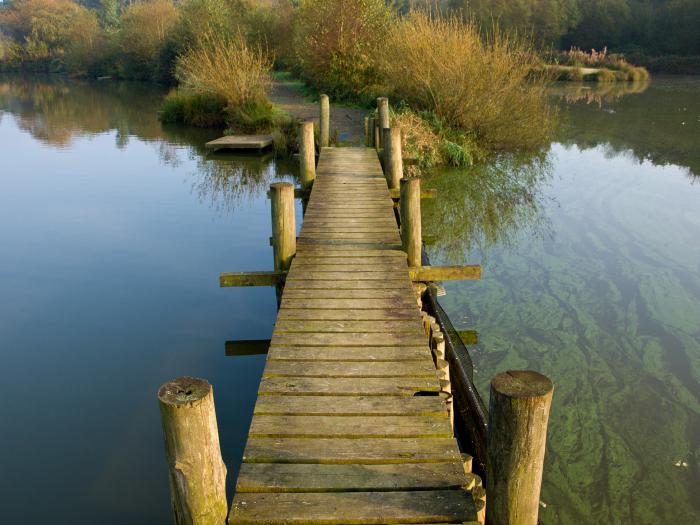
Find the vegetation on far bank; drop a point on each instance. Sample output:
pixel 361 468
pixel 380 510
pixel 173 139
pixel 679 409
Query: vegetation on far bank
pixel 598 66
pixel 459 91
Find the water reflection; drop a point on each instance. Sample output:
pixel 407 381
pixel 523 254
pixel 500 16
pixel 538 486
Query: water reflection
pixel 487 205
pixel 596 92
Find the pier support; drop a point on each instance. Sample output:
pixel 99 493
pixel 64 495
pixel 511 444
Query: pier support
pixel 307 154
pixel 284 235
pixel 383 113
pixel 325 122
pixel 411 220
pixel 393 162
pixel 518 415
pixel 197 472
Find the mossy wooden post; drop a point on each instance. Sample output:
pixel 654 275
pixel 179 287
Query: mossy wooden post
pixel 383 112
pixel 518 414
pixel 410 220
pixel 325 131
pixel 284 240
pixel 197 472
pixel 307 154
pixel 393 163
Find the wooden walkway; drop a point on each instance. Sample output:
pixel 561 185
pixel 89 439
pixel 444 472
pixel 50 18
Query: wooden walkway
pixel 339 434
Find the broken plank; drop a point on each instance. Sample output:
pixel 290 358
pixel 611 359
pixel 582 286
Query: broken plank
pixel 343 386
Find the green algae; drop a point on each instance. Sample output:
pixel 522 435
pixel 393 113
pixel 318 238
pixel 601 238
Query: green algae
pixel 591 275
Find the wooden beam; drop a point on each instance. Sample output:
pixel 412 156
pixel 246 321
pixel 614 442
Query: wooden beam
pixel 430 193
pixel 227 279
pixel 445 273
pixel 247 347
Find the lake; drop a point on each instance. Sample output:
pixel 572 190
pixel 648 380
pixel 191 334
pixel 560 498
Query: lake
pixel 114 229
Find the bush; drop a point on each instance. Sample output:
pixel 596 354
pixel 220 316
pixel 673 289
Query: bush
pixel 195 109
pixel 483 87
pixel 228 68
pixel 142 38
pixel 605 75
pixel 335 46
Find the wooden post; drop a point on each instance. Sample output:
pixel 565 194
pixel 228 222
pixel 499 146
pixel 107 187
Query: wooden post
pixel 377 137
pixel 384 133
pixel 410 220
pixel 383 111
pixel 325 121
pixel 284 234
pixel 197 472
pixel 393 162
pixel 307 154
pixel 367 132
pixel 518 414
pixel 370 131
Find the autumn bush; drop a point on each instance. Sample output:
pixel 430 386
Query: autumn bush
pixel 229 68
pixel 481 86
pixel 143 36
pixel 335 45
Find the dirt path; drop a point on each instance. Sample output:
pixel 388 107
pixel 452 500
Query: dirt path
pixel 346 121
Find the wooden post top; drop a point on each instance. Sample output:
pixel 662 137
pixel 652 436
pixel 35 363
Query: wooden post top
pixel 184 391
pixel 522 384
pixel 281 185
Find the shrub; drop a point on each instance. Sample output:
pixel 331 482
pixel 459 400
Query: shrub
pixel 270 26
pixel 605 75
pixel 228 68
pixel 574 74
pixel 335 44
pixel 483 87
pixel 143 35
pixel 196 109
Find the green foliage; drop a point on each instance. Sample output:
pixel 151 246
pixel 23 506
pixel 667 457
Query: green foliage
pixel 335 44
pixel 195 109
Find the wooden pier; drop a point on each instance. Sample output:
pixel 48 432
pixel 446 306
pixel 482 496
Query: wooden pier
pixel 354 421
pixel 349 426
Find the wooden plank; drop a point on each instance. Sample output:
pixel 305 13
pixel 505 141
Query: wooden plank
pixel 250 278
pixel 394 326
pixel 305 477
pixel 351 427
pixel 393 284
pixel 349 339
pixel 344 386
pixel 314 252
pixel 444 273
pixel 353 236
pixel 239 142
pixel 278 405
pixel 371 293
pixel 341 275
pixel 346 353
pixel 348 315
pixel 347 304
pixel 356 451
pixel 348 244
pixel 341 508
pixel 332 369
pixel 304 261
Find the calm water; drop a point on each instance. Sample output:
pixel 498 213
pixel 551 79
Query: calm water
pixel 113 231
pixel 591 261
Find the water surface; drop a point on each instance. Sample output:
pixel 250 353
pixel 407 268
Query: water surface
pixel 591 274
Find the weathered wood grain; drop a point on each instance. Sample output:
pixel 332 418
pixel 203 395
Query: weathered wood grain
pixel 350 405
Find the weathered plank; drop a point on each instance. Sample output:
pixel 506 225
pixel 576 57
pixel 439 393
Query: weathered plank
pixel 341 508
pixel 239 142
pixel 395 326
pixel 354 427
pixel 250 278
pixel 444 273
pixel 348 315
pixel 347 304
pixel 277 405
pixel 389 284
pixel 346 386
pixel 349 339
pixel 346 353
pixel 305 477
pixel 350 369
pixel 356 451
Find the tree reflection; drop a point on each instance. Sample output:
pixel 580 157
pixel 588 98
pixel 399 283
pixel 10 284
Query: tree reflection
pixel 483 206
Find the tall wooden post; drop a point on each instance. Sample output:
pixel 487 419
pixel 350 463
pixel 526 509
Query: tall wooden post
pixel 383 112
pixel 518 415
pixel 307 154
pixel 410 219
pixel 367 132
pixel 393 162
pixel 371 124
pixel 325 121
pixel 284 235
pixel 197 472
pixel 385 134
